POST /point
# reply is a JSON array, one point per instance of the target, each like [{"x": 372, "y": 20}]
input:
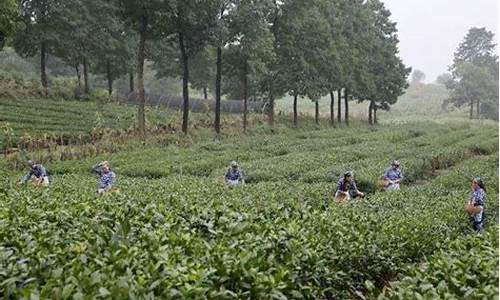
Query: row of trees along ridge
[{"x": 303, "y": 48}]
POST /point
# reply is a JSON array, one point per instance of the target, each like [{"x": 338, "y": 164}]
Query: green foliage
[
  {"x": 444, "y": 78},
  {"x": 246, "y": 57},
  {"x": 466, "y": 269},
  {"x": 36, "y": 120},
  {"x": 302, "y": 36},
  {"x": 15, "y": 65},
  {"x": 270, "y": 48},
  {"x": 14, "y": 87},
  {"x": 40, "y": 25},
  {"x": 9, "y": 12},
  {"x": 417, "y": 77},
  {"x": 183, "y": 235},
  {"x": 30, "y": 115},
  {"x": 475, "y": 74}
]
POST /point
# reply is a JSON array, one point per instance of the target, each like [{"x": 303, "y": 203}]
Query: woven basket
[
  {"x": 472, "y": 210},
  {"x": 341, "y": 198},
  {"x": 382, "y": 184}
]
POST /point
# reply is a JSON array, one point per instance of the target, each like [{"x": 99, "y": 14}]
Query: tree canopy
[
  {"x": 259, "y": 48},
  {"x": 474, "y": 75}
]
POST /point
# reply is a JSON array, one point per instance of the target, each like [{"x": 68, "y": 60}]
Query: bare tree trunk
[
  {"x": 375, "y": 121},
  {"x": 185, "y": 83},
  {"x": 205, "y": 93},
  {"x": 471, "y": 113},
  {"x": 86, "y": 75},
  {"x": 370, "y": 109},
  {"x": 131, "y": 81},
  {"x": 43, "y": 68},
  {"x": 316, "y": 112},
  {"x": 478, "y": 105},
  {"x": 218, "y": 77},
  {"x": 339, "y": 104},
  {"x": 79, "y": 76},
  {"x": 346, "y": 108},
  {"x": 332, "y": 115},
  {"x": 110, "y": 80},
  {"x": 245, "y": 95},
  {"x": 271, "y": 110},
  {"x": 140, "y": 76},
  {"x": 295, "y": 113}
]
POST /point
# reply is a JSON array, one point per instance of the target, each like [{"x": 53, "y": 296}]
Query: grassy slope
[
  {"x": 37, "y": 117},
  {"x": 420, "y": 102}
]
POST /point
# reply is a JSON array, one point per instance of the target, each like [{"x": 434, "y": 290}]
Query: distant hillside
[
  {"x": 420, "y": 102},
  {"x": 423, "y": 101}
]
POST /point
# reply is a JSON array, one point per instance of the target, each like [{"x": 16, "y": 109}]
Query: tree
[
  {"x": 144, "y": 17},
  {"x": 247, "y": 53},
  {"x": 269, "y": 82},
  {"x": 303, "y": 38},
  {"x": 9, "y": 13},
  {"x": 40, "y": 31},
  {"x": 114, "y": 58},
  {"x": 202, "y": 71},
  {"x": 355, "y": 53},
  {"x": 86, "y": 25},
  {"x": 333, "y": 68},
  {"x": 473, "y": 84},
  {"x": 475, "y": 73},
  {"x": 380, "y": 76},
  {"x": 224, "y": 32},
  {"x": 181, "y": 50},
  {"x": 417, "y": 76},
  {"x": 444, "y": 78}
]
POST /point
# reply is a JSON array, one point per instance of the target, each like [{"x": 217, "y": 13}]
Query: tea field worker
[
  {"x": 37, "y": 173},
  {"x": 477, "y": 201},
  {"x": 347, "y": 188},
  {"x": 108, "y": 177},
  {"x": 393, "y": 176},
  {"x": 234, "y": 175}
]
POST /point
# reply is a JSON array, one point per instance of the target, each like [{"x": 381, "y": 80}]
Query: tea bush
[
  {"x": 173, "y": 231},
  {"x": 466, "y": 269}
]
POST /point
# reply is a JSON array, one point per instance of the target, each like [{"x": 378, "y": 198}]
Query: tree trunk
[
  {"x": 86, "y": 75},
  {"x": 79, "y": 76},
  {"x": 185, "y": 83},
  {"x": 271, "y": 110},
  {"x": 295, "y": 113},
  {"x": 131, "y": 81},
  {"x": 478, "y": 105},
  {"x": 346, "y": 106},
  {"x": 110, "y": 80},
  {"x": 332, "y": 115},
  {"x": 339, "y": 104},
  {"x": 471, "y": 113},
  {"x": 375, "y": 116},
  {"x": 218, "y": 77},
  {"x": 43, "y": 68},
  {"x": 205, "y": 93},
  {"x": 140, "y": 77},
  {"x": 316, "y": 112},
  {"x": 370, "y": 109},
  {"x": 245, "y": 95}
]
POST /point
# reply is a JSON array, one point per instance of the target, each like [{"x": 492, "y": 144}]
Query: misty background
[{"x": 430, "y": 30}]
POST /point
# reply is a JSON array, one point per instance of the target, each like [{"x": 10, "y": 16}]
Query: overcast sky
[{"x": 430, "y": 30}]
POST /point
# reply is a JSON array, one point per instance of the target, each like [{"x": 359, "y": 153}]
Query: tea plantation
[
  {"x": 173, "y": 231},
  {"x": 28, "y": 120}
]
